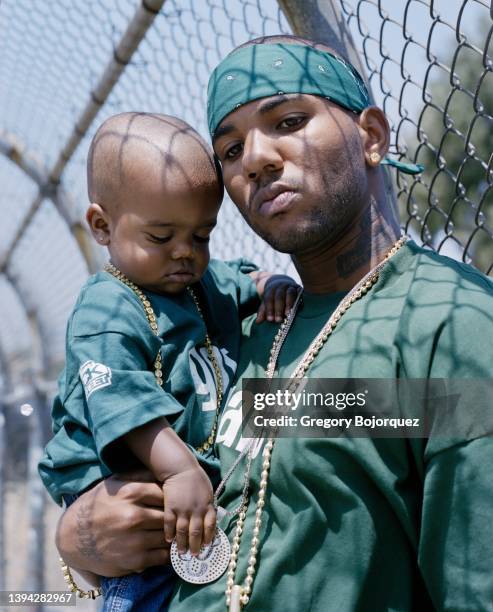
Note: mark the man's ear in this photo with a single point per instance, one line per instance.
(98, 221)
(375, 134)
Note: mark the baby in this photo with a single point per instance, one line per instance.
(152, 343)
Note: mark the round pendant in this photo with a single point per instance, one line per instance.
(209, 565)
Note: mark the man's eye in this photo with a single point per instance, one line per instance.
(291, 122)
(158, 239)
(233, 151)
(201, 239)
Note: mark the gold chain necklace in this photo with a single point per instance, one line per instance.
(158, 365)
(237, 596)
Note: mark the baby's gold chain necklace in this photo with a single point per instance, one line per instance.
(158, 365)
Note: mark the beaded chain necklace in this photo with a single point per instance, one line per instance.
(237, 596)
(158, 365)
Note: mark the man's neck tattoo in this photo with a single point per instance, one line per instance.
(371, 235)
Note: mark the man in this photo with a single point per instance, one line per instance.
(329, 523)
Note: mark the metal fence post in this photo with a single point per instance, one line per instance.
(322, 21)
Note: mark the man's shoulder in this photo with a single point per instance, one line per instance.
(438, 278)
(434, 266)
(448, 306)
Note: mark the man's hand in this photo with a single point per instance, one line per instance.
(116, 528)
(189, 513)
(278, 296)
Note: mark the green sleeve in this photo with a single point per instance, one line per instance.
(110, 354)
(70, 462)
(456, 539)
(121, 391)
(231, 277)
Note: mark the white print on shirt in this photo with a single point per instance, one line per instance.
(230, 426)
(94, 376)
(203, 374)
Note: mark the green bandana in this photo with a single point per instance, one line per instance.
(261, 71)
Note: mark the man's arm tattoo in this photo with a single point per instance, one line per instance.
(86, 542)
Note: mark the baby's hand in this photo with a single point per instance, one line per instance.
(189, 513)
(279, 295)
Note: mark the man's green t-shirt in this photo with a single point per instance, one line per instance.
(108, 386)
(361, 524)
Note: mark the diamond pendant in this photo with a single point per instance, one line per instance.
(211, 562)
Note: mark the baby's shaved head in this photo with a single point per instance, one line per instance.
(159, 151)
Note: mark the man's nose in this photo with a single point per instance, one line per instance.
(260, 155)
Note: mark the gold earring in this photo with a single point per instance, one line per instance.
(375, 158)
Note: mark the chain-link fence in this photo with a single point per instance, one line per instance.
(67, 65)
(430, 66)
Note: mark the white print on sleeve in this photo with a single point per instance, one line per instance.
(94, 376)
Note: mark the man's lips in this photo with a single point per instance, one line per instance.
(279, 203)
(272, 199)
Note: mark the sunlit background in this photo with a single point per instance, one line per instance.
(66, 65)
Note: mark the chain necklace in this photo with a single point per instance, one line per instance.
(237, 596)
(158, 365)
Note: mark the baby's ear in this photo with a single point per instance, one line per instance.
(98, 221)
